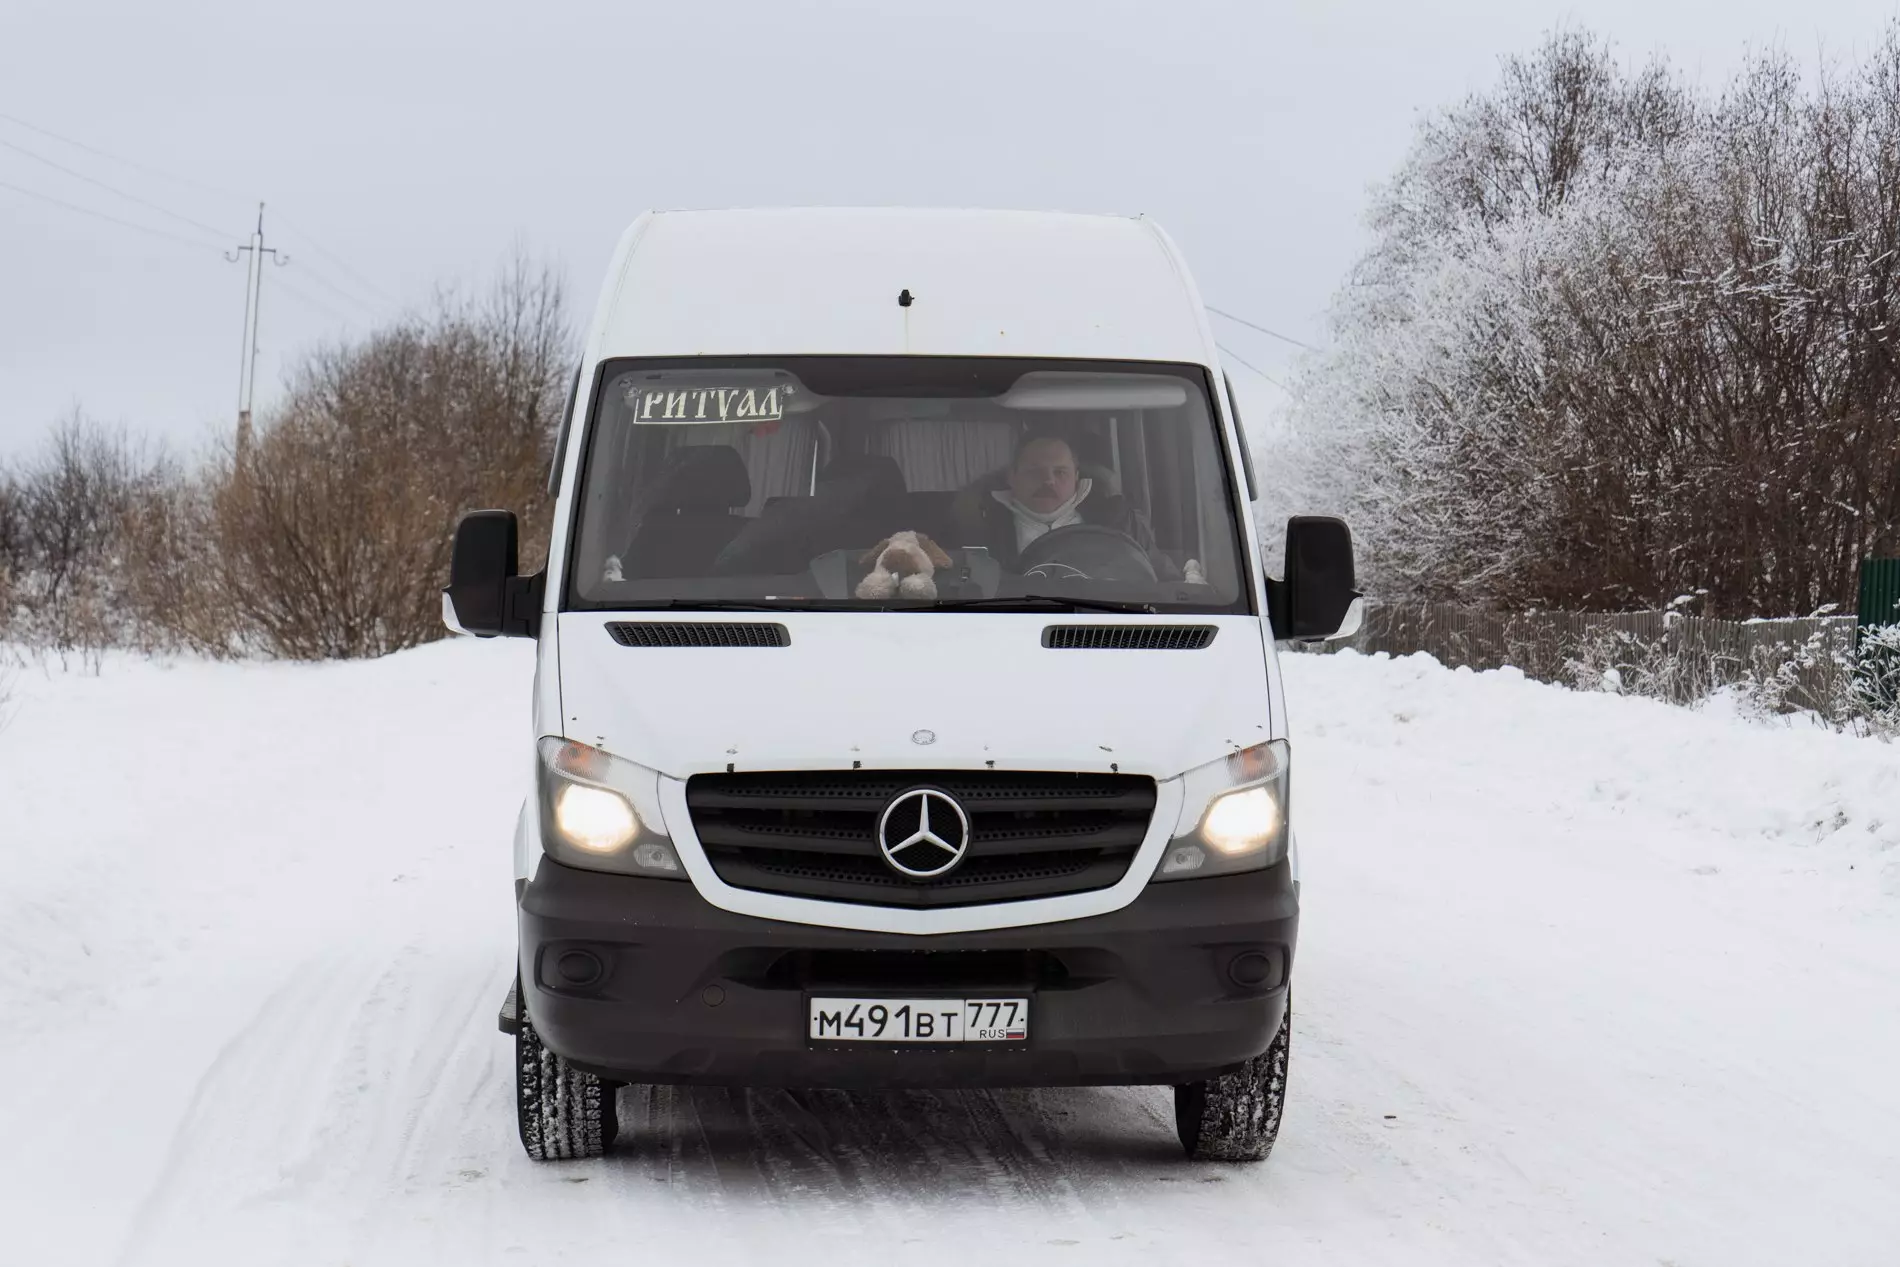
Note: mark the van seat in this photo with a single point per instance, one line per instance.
(688, 513)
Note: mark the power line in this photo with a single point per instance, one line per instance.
(112, 189)
(120, 158)
(1240, 360)
(88, 211)
(368, 286)
(311, 300)
(338, 291)
(1284, 338)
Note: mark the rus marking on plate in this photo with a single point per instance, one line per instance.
(923, 736)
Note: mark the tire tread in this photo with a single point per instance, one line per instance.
(1236, 1117)
(564, 1114)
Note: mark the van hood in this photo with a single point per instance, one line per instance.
(910, 690)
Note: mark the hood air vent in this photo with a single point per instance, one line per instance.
(1128, 637)
(698, 633)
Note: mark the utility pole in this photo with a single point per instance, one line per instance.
(253, 295)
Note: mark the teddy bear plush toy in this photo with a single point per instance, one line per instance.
(903, 565)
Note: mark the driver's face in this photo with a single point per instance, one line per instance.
(1044, 476)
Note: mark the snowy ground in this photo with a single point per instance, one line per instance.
(1583, 980)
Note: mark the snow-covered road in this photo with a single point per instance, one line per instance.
(1582, 980)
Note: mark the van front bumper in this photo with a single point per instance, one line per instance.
(641, 980)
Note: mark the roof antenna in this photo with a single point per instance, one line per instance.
(904, 299)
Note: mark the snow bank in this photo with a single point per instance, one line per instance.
(1710, 789)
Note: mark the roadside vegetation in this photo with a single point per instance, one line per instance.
(1625, 344)
(1621, 339)
(1622, 344)
(327, 534)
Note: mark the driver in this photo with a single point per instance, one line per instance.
(1043, 491)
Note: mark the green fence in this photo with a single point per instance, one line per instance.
(1879, 593)
(1879, 608)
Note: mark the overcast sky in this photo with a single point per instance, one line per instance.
(402, 144)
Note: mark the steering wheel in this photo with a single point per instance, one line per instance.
(1088, 552)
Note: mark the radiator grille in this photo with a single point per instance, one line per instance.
(815, 834)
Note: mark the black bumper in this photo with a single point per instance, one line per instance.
(644, 981)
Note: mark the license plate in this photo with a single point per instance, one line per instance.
(919, 1020)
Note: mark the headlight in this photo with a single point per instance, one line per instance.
(601, 813)
(1233, 815)
(594, 819)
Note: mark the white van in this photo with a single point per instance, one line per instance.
(907, 711)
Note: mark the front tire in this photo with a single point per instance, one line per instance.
(1236, 1116)
(564, 1114)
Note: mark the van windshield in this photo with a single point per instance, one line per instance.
(897, 482)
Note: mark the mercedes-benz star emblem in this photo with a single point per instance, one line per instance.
(923, 833)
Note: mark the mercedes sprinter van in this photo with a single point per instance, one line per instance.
(907, 711)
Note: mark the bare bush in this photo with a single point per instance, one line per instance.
(10, 552)
(328, 535)
(63, 565)
(174, 573)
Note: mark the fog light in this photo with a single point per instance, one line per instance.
(1252, 969)
(579, 968)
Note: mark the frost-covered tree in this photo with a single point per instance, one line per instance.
(1616, 342)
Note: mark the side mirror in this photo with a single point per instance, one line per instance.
(486, 596)
(1317, 600)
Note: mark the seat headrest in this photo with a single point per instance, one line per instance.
(875, 473)
(702, 477)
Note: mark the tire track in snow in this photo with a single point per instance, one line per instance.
(258, 1089)
(350, 1087)
(431, 1047)
(875, 1168)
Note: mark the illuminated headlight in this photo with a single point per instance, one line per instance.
(1233, 815)
(601, 813)
(595, 819)
(1242, 822)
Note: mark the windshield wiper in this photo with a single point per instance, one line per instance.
(1041, 602)
(1011, 602)
(733, 605)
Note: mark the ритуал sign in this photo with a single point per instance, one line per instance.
(708, 404)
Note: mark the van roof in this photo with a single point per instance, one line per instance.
(826, 281)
